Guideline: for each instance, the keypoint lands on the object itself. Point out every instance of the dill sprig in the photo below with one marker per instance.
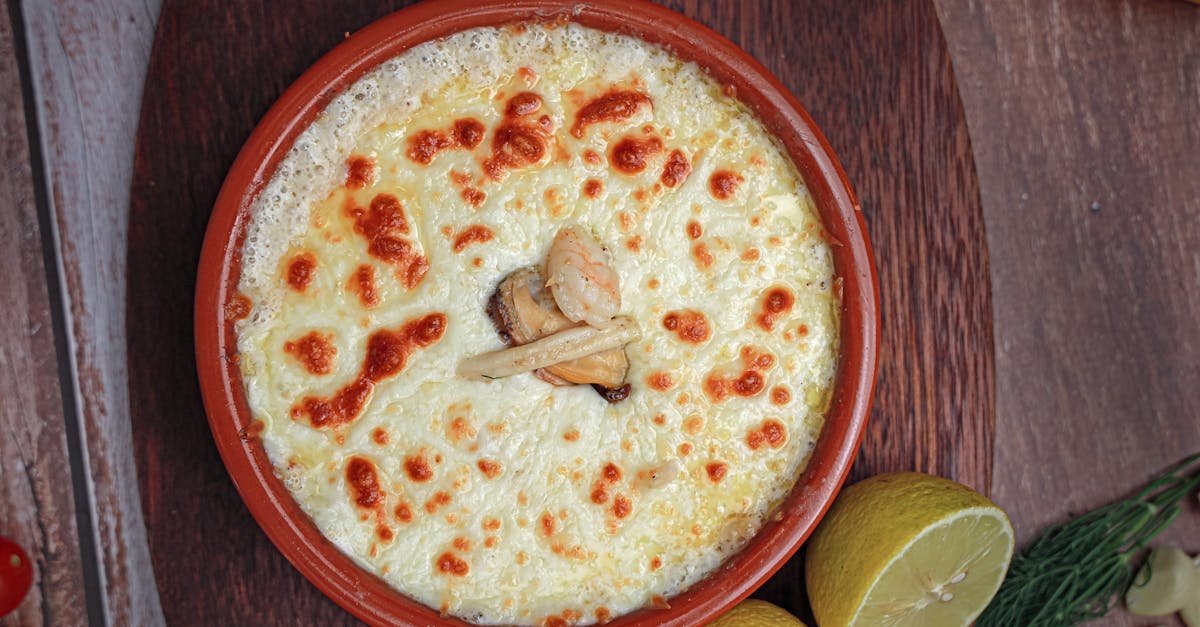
(1075, 571)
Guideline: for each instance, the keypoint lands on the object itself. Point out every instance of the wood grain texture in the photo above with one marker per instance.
(888, 104)
(35, 476)
(1084, 120)
(87, 63)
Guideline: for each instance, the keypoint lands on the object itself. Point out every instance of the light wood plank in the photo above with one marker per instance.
(35, 477)
(1083, 119)
(88, 63)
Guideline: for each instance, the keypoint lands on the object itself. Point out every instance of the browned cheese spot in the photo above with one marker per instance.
(238, 307)
(750, 382)
(724, 183)
(517, 143)
(450, 564)
(524, 103)
(315, 351)
(300, 271)
(387, 353)
(467, 132)
(688, 325)
(614, 106)
(770, 433)
(417, 468)
(630, 155)
(424, 145)
(360, 172)
(660, 381)
(461, 429)
(404, 512)
(363, 482)
(437, 501)
(676, 169)
(474, 234)
(776, 302)
(701, 255)
(383, 225)
(622, 506)
(592, 188)
(362, 283)
(490, 469)
(780, 395)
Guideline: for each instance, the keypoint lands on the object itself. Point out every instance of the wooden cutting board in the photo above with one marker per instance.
(876, 77)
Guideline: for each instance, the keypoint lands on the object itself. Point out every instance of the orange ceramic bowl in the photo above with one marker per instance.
(360, 592)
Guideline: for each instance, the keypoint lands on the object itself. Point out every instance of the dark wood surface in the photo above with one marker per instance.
(890, 109)
(1085, 120)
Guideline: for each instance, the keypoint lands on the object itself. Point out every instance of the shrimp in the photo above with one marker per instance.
(580, 278)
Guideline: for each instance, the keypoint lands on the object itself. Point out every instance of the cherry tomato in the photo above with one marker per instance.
(16, 575)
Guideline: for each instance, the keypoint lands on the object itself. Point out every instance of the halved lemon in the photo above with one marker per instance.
(907, 549)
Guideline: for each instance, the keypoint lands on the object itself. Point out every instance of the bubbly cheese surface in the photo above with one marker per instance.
(371, 255)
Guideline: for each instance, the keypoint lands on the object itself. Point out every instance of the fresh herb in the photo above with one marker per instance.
(1075, 571)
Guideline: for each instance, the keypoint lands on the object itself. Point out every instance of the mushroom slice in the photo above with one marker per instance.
(524, 311)
(563, 346)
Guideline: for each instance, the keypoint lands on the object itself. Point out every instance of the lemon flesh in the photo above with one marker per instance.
(907, 549)
(756, 613)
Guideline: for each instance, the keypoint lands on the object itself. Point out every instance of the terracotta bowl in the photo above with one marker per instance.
(363, 594)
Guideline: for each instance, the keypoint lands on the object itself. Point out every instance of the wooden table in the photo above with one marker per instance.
(1071, 134)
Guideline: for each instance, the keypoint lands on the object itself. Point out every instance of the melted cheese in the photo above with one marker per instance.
(537, 501)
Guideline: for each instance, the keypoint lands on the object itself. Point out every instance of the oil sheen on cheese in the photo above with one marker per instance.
(368, 263)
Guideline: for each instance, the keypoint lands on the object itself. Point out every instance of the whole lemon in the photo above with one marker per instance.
(756, 613)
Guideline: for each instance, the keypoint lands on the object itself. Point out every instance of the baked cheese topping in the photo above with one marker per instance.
(368, 265)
